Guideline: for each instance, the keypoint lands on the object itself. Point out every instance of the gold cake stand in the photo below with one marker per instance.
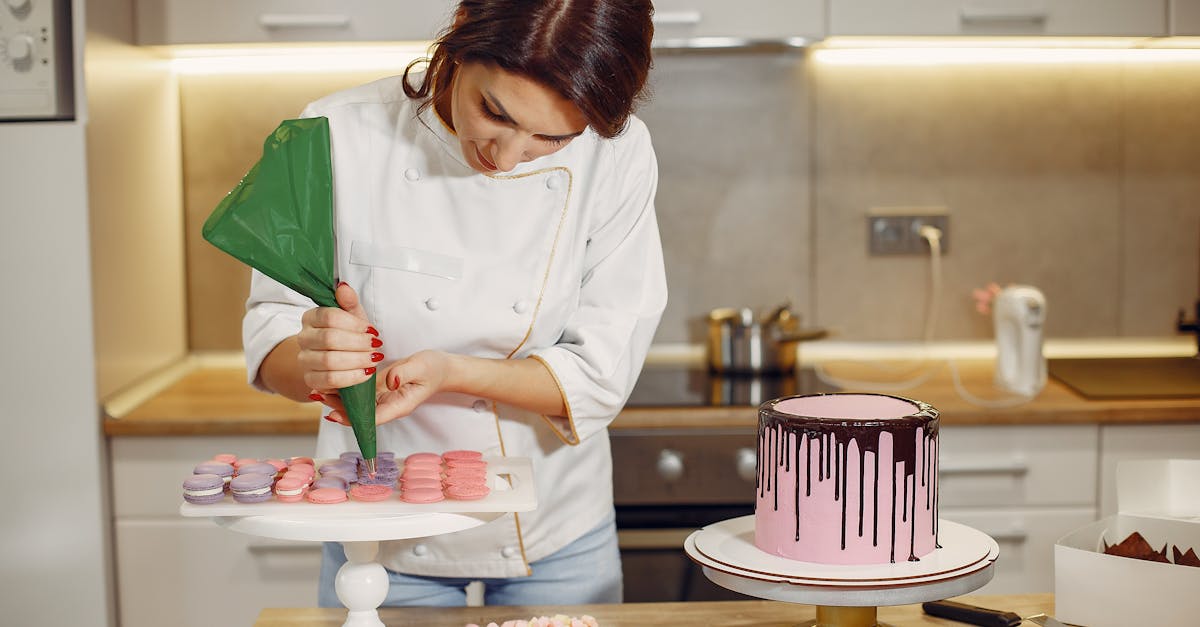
(845, 596)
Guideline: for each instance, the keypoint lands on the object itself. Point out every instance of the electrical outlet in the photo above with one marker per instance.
(897, 230)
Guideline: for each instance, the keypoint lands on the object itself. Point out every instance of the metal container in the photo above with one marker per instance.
(740, 344)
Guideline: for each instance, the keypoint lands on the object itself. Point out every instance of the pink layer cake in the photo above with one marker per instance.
(847, 479)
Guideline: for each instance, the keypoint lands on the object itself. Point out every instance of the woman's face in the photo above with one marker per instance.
(503, 119)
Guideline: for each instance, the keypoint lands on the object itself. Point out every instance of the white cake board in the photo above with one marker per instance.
(362, 582)
(727, 556)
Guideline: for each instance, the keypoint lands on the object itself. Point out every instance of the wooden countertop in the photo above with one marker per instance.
(215, 400)
(710, 613)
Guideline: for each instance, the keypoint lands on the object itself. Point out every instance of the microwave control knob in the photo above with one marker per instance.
(670, 464)
(747, 464)
(19, 50)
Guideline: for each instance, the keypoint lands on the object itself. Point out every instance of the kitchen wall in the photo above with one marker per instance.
(1081, 179)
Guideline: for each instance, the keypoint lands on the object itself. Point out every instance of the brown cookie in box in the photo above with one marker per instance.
(1186, 559)
(1137, 547)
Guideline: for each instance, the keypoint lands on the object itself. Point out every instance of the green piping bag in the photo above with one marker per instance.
(279, 220)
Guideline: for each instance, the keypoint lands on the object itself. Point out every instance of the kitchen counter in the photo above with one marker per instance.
(713, 614)
(209, 396)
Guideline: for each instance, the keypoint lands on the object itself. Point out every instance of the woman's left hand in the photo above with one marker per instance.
(404, 385)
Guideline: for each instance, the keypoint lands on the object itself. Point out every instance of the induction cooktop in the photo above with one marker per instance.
(695, 386)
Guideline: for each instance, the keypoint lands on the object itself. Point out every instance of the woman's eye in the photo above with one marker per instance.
(487, 111)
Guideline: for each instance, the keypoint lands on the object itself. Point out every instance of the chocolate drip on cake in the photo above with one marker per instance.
(781, 434)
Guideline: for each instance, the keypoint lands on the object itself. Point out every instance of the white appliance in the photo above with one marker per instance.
(36, 69)
(1019, 314)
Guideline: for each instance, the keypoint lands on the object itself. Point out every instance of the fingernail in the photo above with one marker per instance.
(376, 356)
(330, 418)
(372, 331)
(369, 371)
(376, 342)
(316, 397)
(393, 382)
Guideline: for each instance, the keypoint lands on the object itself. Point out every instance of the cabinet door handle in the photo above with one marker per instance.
(995, 15)
(677, 18)
(284, 21)
(1013, 467)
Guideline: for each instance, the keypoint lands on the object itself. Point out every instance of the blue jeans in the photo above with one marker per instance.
(586, 571)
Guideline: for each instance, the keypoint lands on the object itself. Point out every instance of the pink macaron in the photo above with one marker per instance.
(422, 495)
(466, 463)
(467, 492)
(412, 484)
(461, 455)
(370, 493)
(423, 457)
(326, 496)
(290, 490)
(225, 458)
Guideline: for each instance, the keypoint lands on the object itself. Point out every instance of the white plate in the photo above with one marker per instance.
(728, 546)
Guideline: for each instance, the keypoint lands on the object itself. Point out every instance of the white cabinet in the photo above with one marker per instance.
(1124, 442)
(189, 572)
(1184, 17)
(998, 17)
(1025, 486)
(748, 19)
(255, 21)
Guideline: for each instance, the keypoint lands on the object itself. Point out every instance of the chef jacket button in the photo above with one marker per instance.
(432, 304)
(412, 174)
(521, 306)
(508, 552)
(552, 183)
(480, 405)
(420, 550)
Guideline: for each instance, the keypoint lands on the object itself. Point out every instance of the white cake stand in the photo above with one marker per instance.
(362, 583)
(845, 596)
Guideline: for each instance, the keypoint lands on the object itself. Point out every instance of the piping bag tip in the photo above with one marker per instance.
(370, 467)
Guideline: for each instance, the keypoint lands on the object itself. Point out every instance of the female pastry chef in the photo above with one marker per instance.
(502, 268)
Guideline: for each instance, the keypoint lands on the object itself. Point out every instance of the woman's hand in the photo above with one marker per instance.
(402, 386)
(338, 347)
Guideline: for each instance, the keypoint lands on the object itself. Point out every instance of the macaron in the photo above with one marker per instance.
(349, 476)
(251, 488)
(326, 496)
(466, 463)
(299, 460)
(259, 468)
(423, 457)
(338, 465)
(353, 456)
(290, 490)
(330, 481)
(370, 493)
(461, 455)
(422, 495)
(364, 479)
(225, 458)
(423, 465)
(411, 484)
(293, 474)
(467, 492)
(279, 464)
(307, 469)
(221, 469)
(242, 461)
(384, 456)
(204, 489)
(464, 480)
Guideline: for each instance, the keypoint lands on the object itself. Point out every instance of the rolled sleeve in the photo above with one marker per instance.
(273, 314)
(623, 294)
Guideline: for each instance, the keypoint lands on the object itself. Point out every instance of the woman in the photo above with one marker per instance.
(502, 268)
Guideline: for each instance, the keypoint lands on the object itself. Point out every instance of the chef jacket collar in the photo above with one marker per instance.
(449, 139)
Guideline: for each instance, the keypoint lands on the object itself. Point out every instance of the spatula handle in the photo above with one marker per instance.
(971, 614)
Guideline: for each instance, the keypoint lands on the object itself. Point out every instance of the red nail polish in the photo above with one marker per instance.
(376, 356)
(394, 382)
(316, 397)
(369, 371)
(341, 283)
(372, 331)
(376, 342)
(330, 418)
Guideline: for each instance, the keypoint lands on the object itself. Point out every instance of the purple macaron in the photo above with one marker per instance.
(259, 468)
(203, 489)
(330, 481)
(251, 487)
(220, 469)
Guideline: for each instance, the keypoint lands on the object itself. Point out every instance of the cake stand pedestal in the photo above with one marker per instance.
(845, 596)
(361, 583)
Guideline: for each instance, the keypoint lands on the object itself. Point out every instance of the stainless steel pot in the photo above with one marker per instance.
(740, 344)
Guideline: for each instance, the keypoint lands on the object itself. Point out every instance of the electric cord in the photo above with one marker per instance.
(933, 236)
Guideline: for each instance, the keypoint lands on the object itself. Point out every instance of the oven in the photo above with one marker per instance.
(669, 482)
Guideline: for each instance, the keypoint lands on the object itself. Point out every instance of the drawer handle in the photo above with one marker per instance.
(747, 464)
(676, 18)
(1012, 536)
(282, 547)
(670, 464)
(1014, 467)
(283, 21)
(998, 15)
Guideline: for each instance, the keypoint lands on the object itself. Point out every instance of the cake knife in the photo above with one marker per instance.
(983, 616)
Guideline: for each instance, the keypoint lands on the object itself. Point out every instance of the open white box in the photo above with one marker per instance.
(1161, 500)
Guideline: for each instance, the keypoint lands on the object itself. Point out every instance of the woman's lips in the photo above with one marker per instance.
(488, 165)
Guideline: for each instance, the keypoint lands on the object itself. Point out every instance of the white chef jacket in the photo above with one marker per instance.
(559, 260)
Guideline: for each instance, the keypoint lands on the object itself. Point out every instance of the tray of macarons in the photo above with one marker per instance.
(451, 482)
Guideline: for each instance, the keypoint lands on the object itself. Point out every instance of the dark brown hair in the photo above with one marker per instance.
(594, 53)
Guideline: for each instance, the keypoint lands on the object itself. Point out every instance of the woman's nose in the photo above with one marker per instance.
(508, 154)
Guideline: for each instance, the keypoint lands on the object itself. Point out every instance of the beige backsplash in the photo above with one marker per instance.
(1081, 180)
